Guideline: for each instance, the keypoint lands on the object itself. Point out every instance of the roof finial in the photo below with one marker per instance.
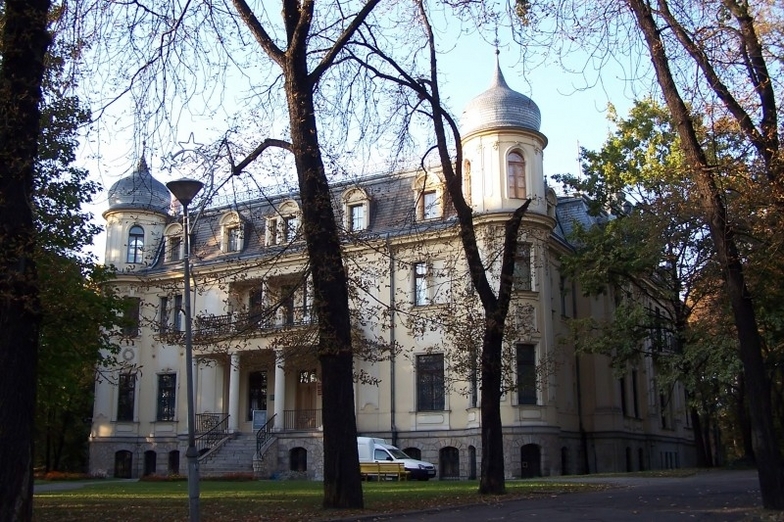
(498, 79)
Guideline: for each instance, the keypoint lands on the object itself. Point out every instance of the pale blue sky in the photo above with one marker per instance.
(572, 114)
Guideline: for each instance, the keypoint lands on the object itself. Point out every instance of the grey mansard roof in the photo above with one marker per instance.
(139, 191)
(500, 107)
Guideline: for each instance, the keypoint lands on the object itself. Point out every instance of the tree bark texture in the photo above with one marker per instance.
(342, 480)
(24, 44)
(768, 455)
(492, 479)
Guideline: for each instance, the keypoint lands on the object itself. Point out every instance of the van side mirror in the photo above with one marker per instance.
(389, 458)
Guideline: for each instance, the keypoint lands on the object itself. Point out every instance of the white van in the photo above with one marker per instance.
(377, 450)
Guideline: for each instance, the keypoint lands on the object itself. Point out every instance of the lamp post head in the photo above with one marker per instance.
(185, 189)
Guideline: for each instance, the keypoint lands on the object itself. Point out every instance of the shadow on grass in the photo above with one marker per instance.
(265, 500)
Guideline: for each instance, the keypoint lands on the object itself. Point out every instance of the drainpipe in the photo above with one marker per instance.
(393, 427)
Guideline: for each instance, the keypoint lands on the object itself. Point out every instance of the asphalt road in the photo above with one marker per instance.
(711, 495)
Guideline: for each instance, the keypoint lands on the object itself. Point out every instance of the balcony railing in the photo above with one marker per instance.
(207, 327)
(301, 419)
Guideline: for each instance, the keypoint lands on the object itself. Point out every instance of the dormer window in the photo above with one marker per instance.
(356, 217)
(173, 243)
(174, 248)
(290, 228)
(356, 209)
(515, 172)
(429, 190)
(283, 227)
(431, 205)
(232, 233)
(135, 245)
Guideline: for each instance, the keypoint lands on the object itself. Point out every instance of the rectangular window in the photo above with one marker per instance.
(167, 396)
(177, 317)
(130, 326)
(163, 317)
(272, 231)
(430, 382)
(522, 268)
(526, 374)
(290, 225)
(565, 294)
(126, 391)
(421, 286)
(308, 376)
(356, 218)
(662, 402)
(233, 239)
(635, 396)
(624, 406)
(431, 206)
(255, 306)
(175, 247)
(287, 303)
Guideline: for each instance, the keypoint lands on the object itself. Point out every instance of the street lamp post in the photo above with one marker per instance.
(184, 190)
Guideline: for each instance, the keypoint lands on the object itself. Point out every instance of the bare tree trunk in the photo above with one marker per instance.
(766, 448)
(342, 480)
(492, 480)
(24, 44)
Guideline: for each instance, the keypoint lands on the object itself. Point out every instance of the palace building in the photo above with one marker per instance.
(257, 380)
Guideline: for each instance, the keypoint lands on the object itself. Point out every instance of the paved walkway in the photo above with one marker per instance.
(708, 496)
(62, 485)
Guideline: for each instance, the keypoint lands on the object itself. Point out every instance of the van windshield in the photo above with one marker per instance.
(397, 453)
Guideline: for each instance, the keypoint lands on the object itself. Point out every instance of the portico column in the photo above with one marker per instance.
(234, 393)
(280, 391)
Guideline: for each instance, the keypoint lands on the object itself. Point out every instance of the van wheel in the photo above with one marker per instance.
(423, 479)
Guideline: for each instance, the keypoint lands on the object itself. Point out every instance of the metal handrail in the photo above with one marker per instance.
(212, 428)
(264, 434)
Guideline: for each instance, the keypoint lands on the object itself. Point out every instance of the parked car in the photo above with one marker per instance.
(377, 450)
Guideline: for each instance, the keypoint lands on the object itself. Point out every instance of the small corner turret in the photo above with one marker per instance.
(138, 211)
(502, 147)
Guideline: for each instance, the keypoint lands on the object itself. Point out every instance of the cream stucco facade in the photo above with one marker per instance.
(563, 414)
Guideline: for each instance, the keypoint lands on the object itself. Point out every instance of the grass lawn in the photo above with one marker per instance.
(108, 501)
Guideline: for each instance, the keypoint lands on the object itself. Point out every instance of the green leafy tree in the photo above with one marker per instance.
(648, 244)
(717, 58)
(77, 313)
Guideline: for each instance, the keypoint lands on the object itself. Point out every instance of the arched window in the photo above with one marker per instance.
(298, 459)
(429, 196)
(467, 181)
(174, 462)
(135, 244)
(232, 232)
(414, 453)
(449, 463)
(530, 461)
(150, 462)
(123, 462)
(283, 227)
(173, 241)
(356, 209)
(515, 171)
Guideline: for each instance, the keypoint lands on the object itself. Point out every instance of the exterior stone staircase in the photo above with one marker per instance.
(233, 456)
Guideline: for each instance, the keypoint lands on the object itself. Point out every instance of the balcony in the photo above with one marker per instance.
(209, 328)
